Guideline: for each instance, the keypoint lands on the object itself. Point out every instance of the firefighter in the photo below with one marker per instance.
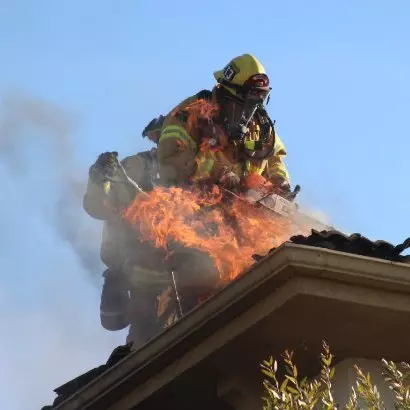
(235, 143)
(135, 274)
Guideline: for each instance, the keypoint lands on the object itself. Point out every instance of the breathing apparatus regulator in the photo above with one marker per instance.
(253, 100)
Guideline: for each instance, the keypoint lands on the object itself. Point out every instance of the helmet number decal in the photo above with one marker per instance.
(229, 72)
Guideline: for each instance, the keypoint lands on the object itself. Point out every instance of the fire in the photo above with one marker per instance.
(230, 230)
(200, 111)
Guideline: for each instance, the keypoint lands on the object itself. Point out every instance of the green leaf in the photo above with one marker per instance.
(292, 390)
(291, 379)
(268, 373)
(303, 382)
(284, 384)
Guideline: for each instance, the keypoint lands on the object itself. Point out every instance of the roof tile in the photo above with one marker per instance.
(355, 244)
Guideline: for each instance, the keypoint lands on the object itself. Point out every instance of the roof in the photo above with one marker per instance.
(293, 283)
(355, 244)
(67, 389)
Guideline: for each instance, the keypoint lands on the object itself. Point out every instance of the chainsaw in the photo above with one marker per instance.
(282, 206)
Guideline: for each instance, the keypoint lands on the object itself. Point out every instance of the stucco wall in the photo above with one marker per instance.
(345, 377)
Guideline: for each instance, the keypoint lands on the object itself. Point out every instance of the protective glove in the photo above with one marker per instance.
(281, 185)
(105, 166)
(229, 179)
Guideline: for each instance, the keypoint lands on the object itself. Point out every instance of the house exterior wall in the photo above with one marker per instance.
(345, 379)
(243, 393)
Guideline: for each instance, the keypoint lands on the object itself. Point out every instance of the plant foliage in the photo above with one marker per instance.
(296, 393)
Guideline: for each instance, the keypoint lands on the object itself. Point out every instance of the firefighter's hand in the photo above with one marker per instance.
(281, 185)
(107, 163)
(105, 166)
(229, 179)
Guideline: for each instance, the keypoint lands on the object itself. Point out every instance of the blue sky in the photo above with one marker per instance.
(341, 99)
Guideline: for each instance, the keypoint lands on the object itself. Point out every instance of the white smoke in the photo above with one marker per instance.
(21, 117)
(317, 218)
(49, 309)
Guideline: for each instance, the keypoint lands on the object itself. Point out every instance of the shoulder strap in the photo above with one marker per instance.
(266, 121)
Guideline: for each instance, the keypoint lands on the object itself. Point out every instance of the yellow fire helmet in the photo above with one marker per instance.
(242, 72)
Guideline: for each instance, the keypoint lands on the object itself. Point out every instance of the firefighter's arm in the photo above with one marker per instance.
(277, 171)
(102, 197)
(94, 200)
(176, 155)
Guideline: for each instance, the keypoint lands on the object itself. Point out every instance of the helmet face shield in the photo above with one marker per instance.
(257, 81)
(256, 88)
(255, 92)
(256, 96)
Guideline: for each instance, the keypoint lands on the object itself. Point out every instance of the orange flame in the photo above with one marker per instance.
(200, 110)
(230, 232)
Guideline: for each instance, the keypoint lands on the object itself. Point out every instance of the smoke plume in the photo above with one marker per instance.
(44, 129)
(49, 308)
